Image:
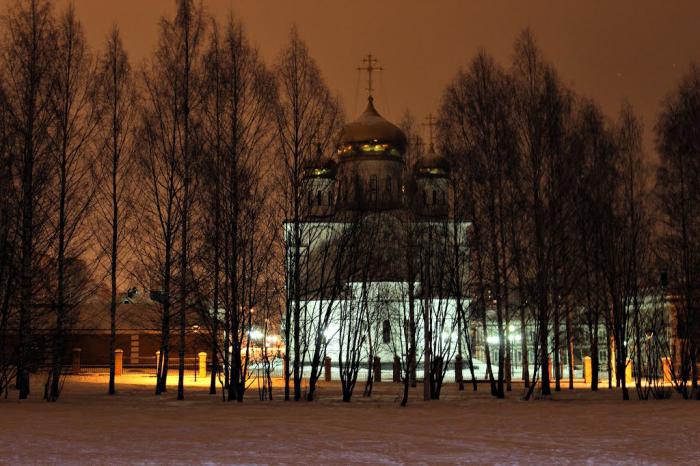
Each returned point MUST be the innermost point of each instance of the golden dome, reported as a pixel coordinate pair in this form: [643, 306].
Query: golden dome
[370, 128]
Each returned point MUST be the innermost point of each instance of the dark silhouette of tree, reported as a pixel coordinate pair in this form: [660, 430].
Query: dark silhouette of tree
[28, 55]
[476, 115]
[541, 107]
[116, 98]
[591, 148]
[74, 123]
[307, 115]
[239, 116]
[678, 196]
[8, 247]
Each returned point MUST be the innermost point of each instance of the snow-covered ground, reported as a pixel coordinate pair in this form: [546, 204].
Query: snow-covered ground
[575, 427]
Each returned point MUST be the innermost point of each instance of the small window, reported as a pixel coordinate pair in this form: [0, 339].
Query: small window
[443, 196]
[386, 331]
[434, 197]
[319, 199]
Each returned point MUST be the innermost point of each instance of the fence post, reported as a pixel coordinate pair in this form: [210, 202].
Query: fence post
[377, 369]
[327, 369]
[202, 364]
[118, 361]
[397, 370]
[76, 360]
[666, 362]
[458, 369]
[587, 370]
[628, 372]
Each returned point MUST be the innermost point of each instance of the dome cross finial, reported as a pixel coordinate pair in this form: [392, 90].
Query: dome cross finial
[370, 61]
[430, 123]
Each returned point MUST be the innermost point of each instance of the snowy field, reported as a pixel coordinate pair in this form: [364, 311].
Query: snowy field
[576, 427]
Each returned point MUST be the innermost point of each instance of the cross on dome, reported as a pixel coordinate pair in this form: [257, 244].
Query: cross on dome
[430, 123]
[370, 61]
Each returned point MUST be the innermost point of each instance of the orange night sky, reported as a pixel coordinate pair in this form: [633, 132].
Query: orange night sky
[606, 50]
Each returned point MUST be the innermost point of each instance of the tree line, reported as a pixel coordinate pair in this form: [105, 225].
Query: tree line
[165, 174]
[573, 237]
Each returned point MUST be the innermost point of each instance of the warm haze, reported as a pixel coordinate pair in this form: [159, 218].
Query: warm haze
[634, 50]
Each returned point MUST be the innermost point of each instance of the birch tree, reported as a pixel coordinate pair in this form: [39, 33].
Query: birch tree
[307, 115]
[116, 98]
[28, 55]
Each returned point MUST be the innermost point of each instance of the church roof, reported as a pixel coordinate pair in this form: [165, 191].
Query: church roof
[372, 127]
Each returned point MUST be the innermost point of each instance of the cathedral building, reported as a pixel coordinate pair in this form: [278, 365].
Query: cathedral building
[379, 244]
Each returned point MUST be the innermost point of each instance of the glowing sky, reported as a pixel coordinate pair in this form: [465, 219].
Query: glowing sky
[607, 50]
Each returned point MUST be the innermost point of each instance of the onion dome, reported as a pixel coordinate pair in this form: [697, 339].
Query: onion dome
[320, 166]
[370, 134]
[432, 165]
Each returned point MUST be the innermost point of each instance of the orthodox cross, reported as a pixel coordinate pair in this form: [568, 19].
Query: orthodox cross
[430, 123]
[370, 61]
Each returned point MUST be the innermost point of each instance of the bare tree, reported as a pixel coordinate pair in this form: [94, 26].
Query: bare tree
[8, 246]
[116, 98]
[185, 36]
[307, 115]
[326, 261]
[541, 107]
[591, 148]
[75, 120]
[28, 53]
[355, 309]
[156, 236]
[173, 117]
[678, 194]
[213, 182]
[239, 119]
[476, 115]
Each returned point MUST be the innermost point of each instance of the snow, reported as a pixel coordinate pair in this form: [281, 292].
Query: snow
[575, 427]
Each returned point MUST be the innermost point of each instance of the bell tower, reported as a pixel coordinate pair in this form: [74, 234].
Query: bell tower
[319, 185]
[432, 173]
